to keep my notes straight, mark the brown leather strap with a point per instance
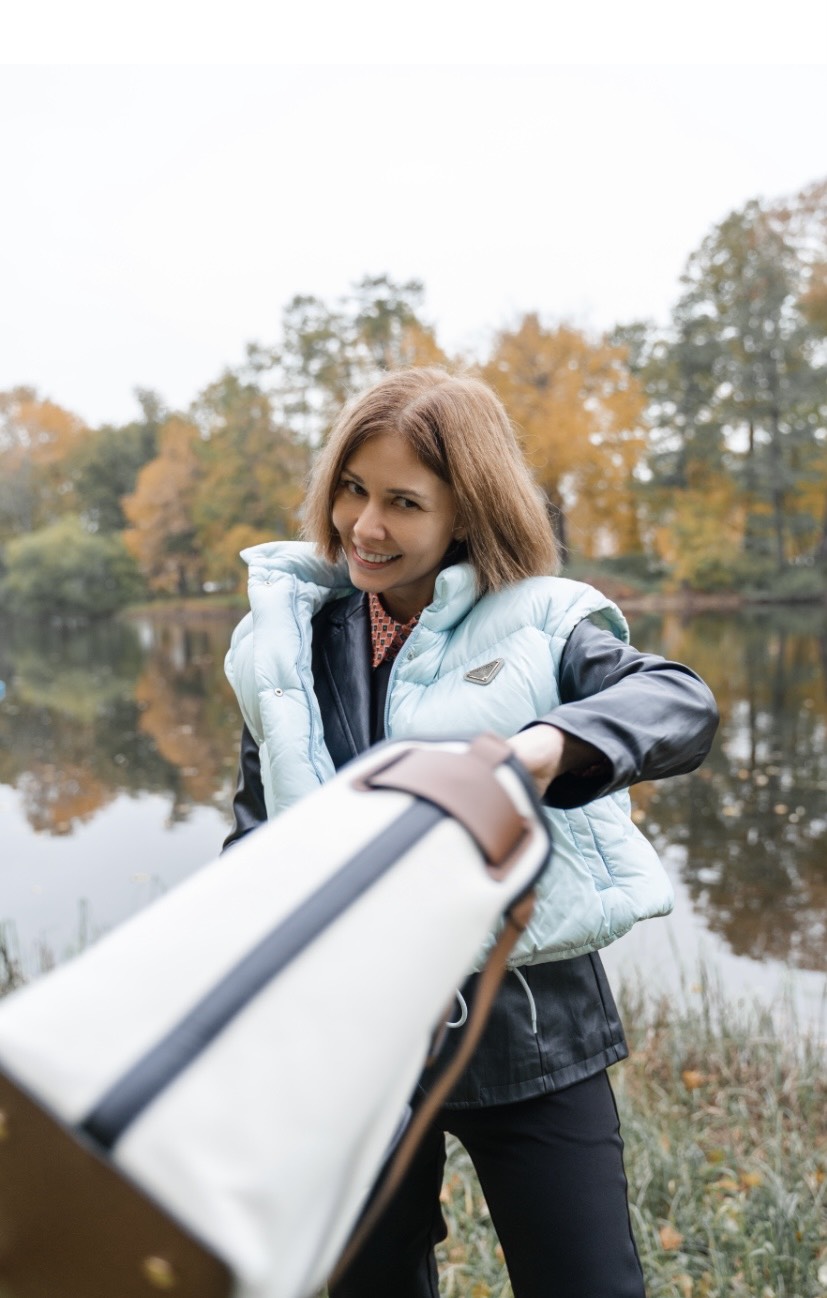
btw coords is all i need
(464, 785)
(71, 1226)
(487, 986)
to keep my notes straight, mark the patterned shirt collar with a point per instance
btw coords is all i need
(387, 636)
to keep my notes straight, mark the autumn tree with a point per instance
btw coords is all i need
(106, 464)
(37, 441)
(162, 532)
(578, 411)
(252, 474)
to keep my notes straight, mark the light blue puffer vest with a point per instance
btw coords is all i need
(605, 875)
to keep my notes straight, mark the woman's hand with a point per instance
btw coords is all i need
(547, 752)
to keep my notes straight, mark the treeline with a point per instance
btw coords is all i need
(693, 454)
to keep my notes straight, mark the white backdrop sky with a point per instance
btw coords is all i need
(157, 216)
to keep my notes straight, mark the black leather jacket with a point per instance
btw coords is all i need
(556, 1023)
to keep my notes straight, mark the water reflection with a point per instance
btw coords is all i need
(117, 755)
(118, 708)
(754, 819)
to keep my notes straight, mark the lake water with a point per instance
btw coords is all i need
(118, 755)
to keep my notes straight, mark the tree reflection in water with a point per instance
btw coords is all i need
(754, 819)
(116, 708)
(129, 708)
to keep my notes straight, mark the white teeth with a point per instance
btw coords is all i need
(373, 558)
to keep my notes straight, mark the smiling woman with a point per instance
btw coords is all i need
(438, 431)
(396, 521)
(424, 605)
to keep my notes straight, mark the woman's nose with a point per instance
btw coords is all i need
(370, 522)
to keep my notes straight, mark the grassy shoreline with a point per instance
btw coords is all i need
(725, 1126)
(626, 587)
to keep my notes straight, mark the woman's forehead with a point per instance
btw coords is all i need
(388, 462)
(387, 452)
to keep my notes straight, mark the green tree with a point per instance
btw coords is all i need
(106, 465)
(330, 351)
(61, 571)
(737, 400)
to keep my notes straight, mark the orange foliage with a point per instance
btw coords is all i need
(579, 411)
(37, 441)
(161, 538)
(55, 798)
(173, 717)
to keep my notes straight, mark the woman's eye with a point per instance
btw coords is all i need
(353, 487)
(405, 503)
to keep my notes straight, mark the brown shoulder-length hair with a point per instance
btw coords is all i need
(459, 429)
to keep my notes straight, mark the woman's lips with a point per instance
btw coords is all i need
(369, 559)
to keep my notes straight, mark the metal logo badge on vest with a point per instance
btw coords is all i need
(485, 674)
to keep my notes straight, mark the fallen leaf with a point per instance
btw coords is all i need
(669, 1237)
(692, 1079)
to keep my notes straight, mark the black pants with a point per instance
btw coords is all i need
(551, 1170)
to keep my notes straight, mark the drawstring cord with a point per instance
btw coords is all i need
(531, 1001)
(463, 1012)
(463, 1006)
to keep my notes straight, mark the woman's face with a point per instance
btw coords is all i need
(395, 519)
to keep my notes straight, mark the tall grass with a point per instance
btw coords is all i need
(725, 1123)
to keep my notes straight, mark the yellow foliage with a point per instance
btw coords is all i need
(418, 346)
(37, 441)
(702, 527)
(579, 412)
(807, 501)
(225, 566)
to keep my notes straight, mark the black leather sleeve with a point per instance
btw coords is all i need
(249, 810)
(647, 716)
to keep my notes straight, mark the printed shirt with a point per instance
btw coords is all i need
(387, 636)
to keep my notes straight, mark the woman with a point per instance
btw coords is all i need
(424, 606)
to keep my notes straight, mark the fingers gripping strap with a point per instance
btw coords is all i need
(463, 785)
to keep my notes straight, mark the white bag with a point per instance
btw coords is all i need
(201, 1102)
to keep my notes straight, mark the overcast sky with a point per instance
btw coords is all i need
(157, 218)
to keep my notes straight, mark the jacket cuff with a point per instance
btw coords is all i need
(611, 771)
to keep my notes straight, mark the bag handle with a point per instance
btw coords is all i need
(464, 786)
